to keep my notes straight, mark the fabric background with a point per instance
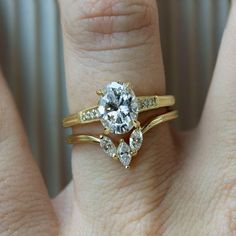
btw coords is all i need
(31, 55)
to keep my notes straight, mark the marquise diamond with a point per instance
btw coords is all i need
(108, 146)
(124, 153)
(118, 108)
(135, 140)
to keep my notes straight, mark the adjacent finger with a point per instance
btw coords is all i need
(25, 208)
(219, 112)
(212, 167)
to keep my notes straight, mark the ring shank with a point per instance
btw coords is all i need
(145, 103)
(76, 138)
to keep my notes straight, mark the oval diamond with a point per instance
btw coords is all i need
(108, 146)
(136, 140)
(124, 153)
(118, 108)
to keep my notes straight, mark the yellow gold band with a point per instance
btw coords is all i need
(145, 103)
(76, 138)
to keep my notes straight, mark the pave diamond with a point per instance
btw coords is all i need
(118, 108)
(147, 103)
(135, 141)
(90, 115)
(124, 153)
(108, 146)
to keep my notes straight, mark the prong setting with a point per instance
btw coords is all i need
(128, 84)
(136, 124)
(115, 157)
(106, 131)
(99, 92)
(134, 153)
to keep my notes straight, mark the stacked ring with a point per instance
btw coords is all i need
(118, 110)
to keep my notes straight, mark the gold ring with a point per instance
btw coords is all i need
(118, 108)
(124, 152)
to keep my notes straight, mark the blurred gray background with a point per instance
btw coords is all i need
(31, 55)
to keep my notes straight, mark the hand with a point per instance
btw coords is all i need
(183, 184)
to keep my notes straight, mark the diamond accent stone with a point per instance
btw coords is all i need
(124, 153)
(95, 113)
(108, 146)
(136, 140)
(147, 103)
(90, 115)
(118, 108)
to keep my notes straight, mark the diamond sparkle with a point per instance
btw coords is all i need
(124, 153)
(108, 146)
(136, 140)
(118, 108)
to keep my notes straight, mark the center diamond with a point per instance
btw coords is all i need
(118, 108)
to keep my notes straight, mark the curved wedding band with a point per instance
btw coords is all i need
(124, 152)
(78, 138)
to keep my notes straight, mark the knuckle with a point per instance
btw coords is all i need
(109, 24)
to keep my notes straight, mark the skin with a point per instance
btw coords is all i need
(180, 184)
